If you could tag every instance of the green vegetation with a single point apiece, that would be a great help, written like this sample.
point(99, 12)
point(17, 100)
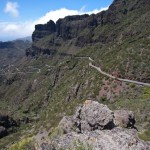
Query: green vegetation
point(145, 135)
point(81, 146)
point(25, 144)
point(146, 92)
point(56, 91)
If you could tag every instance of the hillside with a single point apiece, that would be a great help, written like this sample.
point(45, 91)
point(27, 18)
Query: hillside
point(55, 76)
point(12, 51)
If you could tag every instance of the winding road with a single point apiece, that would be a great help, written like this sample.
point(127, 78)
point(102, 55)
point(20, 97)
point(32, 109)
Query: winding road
point(116, 78)
point(3, 72)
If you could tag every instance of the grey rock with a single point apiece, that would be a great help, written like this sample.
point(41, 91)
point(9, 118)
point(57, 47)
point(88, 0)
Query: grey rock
point(77, 112)
point(124, 118)
point(88, 117)
point(66, 125)
point(97, 116)
point(94, 127)
point(85, 126)
point(115, 139)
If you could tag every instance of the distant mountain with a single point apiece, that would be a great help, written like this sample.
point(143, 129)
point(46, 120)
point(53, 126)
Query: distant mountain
point(12, 51)
point(28, 38)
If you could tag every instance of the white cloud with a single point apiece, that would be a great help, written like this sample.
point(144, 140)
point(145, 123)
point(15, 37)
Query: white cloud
point(55, 15)
point(16, 30)
point(12, 9)
point(61, 13)
point(23, 29)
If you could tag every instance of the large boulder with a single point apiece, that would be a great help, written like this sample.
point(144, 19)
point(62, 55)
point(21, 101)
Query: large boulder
point(124, 118)
point(96, 115)
point(88, 117)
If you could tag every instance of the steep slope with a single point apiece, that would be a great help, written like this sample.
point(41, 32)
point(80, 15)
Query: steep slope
point(57, 77)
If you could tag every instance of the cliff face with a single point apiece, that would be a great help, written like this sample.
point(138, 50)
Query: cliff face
point(43, 30)
point(89, 29)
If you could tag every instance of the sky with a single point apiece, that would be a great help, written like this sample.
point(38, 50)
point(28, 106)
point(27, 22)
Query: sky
point(19, 17)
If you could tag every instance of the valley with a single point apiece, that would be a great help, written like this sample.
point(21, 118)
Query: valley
point(99, 62)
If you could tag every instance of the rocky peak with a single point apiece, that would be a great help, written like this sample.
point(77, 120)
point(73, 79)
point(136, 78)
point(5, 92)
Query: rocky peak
point(50, 26)
point(43, 29)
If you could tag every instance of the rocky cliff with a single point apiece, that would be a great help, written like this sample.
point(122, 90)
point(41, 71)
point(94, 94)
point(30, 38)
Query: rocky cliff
point(90, 29)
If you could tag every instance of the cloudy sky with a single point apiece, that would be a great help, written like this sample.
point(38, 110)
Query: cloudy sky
point(18, 17)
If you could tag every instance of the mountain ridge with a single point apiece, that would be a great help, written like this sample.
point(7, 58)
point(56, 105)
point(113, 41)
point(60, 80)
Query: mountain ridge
point(12, 51)
point(82, 30)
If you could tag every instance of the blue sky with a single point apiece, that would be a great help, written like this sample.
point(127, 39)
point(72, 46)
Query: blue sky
point(18, 17)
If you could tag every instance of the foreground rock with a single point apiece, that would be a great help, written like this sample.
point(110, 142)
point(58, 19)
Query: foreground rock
point(95, 127)
point(95, 115)
point(115, 139)
point(89, 117)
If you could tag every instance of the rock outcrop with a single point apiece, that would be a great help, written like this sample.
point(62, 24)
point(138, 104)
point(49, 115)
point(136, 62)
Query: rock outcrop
point(116, 139)
point(95, 127)
point(92, 116)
